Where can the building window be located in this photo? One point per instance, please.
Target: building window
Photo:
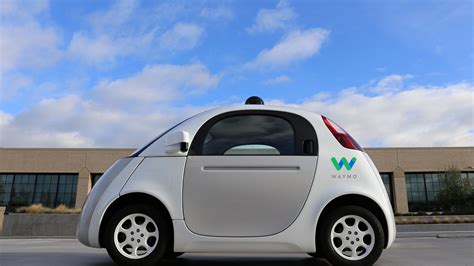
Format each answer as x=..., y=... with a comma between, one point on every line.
x=50, y=190
x=67, y=190
x=22, y=190
x=95, y=178
x=469, y=175
x=46, y=190
x=387, y=182
x=6, y=182
x=423, y=191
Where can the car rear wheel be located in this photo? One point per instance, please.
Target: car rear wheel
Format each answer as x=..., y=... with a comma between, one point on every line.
x=137, y=235
x=352, y=235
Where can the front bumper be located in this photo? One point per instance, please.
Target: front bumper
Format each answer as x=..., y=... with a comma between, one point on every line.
x=104, y=192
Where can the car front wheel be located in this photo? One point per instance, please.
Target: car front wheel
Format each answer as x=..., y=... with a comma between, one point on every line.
x=137, y=235
x=352, y=235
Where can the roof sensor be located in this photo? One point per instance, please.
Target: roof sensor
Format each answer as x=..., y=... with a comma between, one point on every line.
x=254, y=100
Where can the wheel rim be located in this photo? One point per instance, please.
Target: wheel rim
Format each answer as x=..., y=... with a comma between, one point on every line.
x=352, y=237
x=136, y=236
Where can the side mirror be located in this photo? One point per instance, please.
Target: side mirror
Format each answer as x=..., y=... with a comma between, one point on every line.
x=177, y=141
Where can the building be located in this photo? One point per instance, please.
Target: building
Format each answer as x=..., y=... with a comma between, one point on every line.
x=65, y=176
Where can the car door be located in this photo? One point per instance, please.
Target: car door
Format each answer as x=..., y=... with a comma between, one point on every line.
x=248, y=173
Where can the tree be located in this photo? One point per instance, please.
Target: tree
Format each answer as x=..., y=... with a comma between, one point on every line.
x=455, y=189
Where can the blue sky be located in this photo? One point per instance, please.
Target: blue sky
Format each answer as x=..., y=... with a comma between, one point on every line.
x=116, y=73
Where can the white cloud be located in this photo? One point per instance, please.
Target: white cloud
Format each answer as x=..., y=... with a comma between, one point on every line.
x=391, y=83
x=112, y=19
x=277, y=80
x=270, y=20
x=24, y=42
x=12, y=84
x=182, y=36
x=158, y=83
x=120, y=113
x=71, y=121
x=45, y=138
x=119, y=31
x=220, y=13
x=5, y=119
x=93, y=50
x=104, y=49
x=296, y=46
x=415, y=116
x=45, y=125
x=126, y=29
x=22, y=9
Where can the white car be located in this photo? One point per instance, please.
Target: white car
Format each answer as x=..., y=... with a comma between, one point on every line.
x=247, y=178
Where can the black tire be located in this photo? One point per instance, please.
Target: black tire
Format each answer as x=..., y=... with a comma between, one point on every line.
x=158, y=252
x=317, y=255
x=329, y=251
x=173, y=255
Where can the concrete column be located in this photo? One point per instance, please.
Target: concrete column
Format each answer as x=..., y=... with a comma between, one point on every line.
x=399, y=190
x=83, y=187
x=2, y=217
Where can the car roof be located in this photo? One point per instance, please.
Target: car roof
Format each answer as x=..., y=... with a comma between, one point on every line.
x=220, y=110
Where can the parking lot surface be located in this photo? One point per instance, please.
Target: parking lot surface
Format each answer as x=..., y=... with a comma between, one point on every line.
x=405, y=251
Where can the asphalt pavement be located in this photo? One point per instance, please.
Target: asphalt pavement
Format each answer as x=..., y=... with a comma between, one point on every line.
x=405, y=251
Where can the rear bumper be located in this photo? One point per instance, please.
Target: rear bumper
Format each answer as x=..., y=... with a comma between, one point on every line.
x=385, y=205
x=391, y=228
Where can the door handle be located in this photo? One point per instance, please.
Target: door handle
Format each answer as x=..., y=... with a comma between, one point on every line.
x=251, y=168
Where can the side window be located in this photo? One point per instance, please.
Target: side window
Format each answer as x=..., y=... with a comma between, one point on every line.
x=250, y=135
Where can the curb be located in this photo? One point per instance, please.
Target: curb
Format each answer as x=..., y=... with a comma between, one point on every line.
x=37, y=237
x=458, y=235
x=437, y=234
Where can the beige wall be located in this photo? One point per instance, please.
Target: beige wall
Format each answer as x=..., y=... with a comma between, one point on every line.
x=87, y=161
x=422, y=159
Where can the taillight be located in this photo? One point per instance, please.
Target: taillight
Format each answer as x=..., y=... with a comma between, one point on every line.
x=341, y=135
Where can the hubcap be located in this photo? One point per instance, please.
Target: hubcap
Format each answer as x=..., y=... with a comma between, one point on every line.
x=136, y=236
x=352, y=237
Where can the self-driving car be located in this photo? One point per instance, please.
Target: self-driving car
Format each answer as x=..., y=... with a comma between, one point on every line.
x=245, y=178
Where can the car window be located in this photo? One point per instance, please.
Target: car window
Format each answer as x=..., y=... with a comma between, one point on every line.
x=250, y=135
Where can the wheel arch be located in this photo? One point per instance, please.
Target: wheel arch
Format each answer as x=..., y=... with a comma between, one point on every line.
x=357, y=200
x=134, y=198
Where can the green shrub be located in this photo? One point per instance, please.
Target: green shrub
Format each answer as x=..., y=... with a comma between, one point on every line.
x=38, y=208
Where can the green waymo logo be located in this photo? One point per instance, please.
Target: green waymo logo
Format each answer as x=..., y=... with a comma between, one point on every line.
x=343, y=162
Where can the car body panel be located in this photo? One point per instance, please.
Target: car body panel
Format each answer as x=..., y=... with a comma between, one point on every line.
x=245, y=195
x=160, y=177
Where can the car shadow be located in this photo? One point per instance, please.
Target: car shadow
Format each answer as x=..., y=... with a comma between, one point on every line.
x=246, y=262
x=236, y=261
x=102, y=259
x=190, y=260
